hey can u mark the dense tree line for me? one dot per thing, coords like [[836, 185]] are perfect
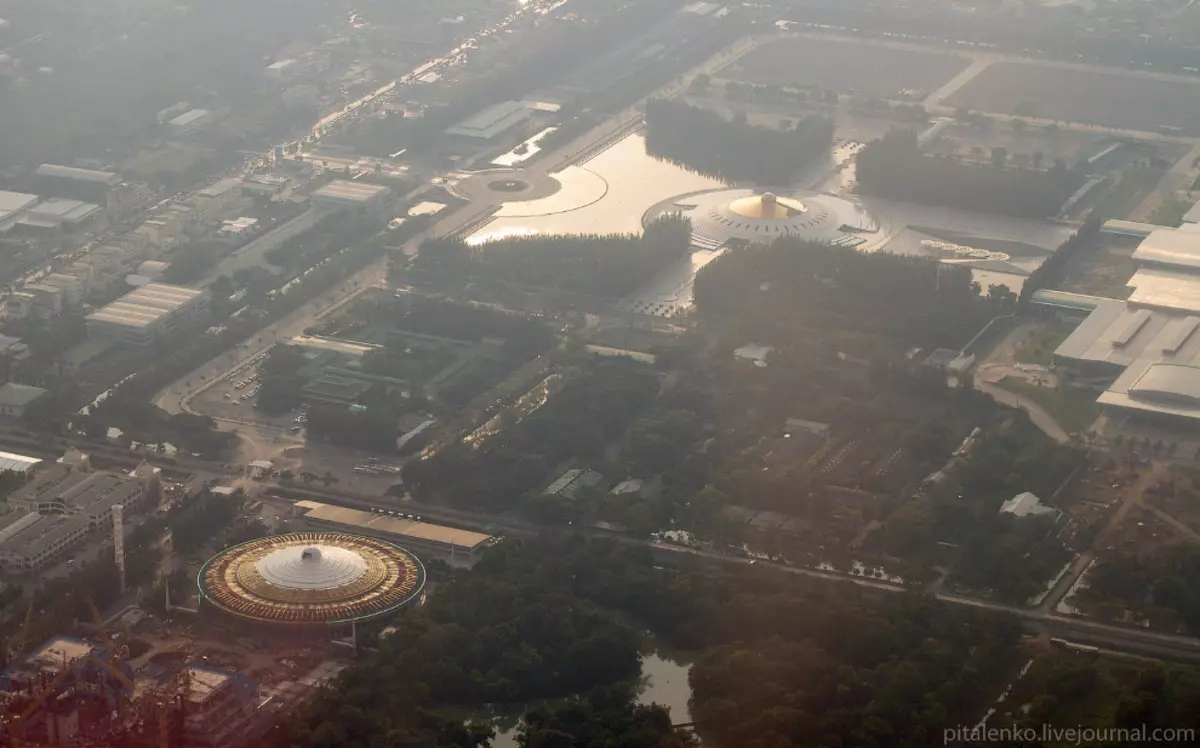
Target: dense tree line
[[502, 634], [591, 409], [792, 288], [1108, 693], [150, 424], [793, 661], [373, 428], [1010, 557], [598, 718], [608, 265], [281, 380], [1054, 268], [894, 167], [202, 520], [1163, 582], [734, 151]]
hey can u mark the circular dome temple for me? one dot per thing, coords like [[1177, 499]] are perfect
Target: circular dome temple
[[721, 216], [311, 578]]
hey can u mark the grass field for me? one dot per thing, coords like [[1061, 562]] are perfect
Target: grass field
[[1040, 349], [1171, 213], [844, 66], [1127, 194], [1074, 411]]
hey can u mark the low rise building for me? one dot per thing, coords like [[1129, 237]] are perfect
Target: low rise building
[[66, 489], [342, 193], [1026, 505], [189, 122], [492, 122], [16, 399], [13, 207], [218, 200], [58, 213], [148, 313], [457, 546], [37, 540]]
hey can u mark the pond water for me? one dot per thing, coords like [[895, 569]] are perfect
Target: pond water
[[664, 681]]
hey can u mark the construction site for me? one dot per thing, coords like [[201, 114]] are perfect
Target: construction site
[[156, 683]]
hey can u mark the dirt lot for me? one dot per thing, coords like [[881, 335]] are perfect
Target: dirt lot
[[844, 66], [1090, 97]]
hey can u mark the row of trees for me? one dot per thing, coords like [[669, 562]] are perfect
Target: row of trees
[[202, 519], [734, 151], [1054, 268], [607, 265], [894, 167]]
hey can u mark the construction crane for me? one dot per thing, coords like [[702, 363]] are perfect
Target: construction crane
[[114, 652], [14, 725]]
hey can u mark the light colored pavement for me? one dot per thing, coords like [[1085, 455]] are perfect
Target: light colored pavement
[[1038, 415]]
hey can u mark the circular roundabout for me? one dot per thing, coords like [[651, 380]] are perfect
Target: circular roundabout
[[311, 578], [505, 185], [724, 215]]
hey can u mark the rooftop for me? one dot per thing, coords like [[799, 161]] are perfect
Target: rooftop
[[146, 305], [44, 531], [1026, 505], [492, 121], [1174, 247], [219, 188], [399, 527], [17, 463], [346, 191], [189, 117], [15, 395], [70, 211], [77, 174]]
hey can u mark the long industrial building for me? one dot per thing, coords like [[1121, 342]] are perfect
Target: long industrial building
[[57, 508], [342, 193], [456, 546], [1143, 351], [146, 314]]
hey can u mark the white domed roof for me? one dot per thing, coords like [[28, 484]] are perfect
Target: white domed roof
[[311, 567]]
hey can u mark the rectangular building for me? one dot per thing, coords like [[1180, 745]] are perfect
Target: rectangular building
[[13, 207], [146, 314], [492, 122], [342, 193], [60, 213], [189, 122], [39, 539], [15, 398], [218, 200], [460, 547]]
